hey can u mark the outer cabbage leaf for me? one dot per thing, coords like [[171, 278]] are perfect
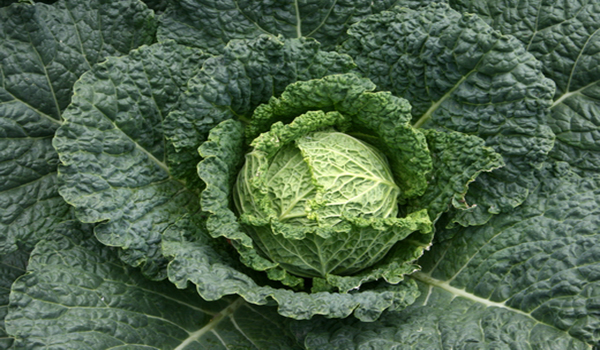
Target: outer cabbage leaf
[[449, 181], [563, 35], [112, 148], [232, 85], [210, 24], [526, 280], [216, 275], [43, 51], [103, 303], [459, 74], [12, 265]]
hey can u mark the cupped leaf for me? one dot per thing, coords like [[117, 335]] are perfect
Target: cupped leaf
[[459, 74], [103, 303], [112, 149], [222, 154], [378, 117], [232, 85], [43, 51], [211, 24], [564, 36], [12, 265], [216, 274], [526, 280], [457, 161], [317, 201]]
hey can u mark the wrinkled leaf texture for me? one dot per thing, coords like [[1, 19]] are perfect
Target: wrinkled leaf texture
[[564, 37], [113, 153], [211, 24], [459, 74], [102, 303], [446, 314], [43, 51], [528, 280]]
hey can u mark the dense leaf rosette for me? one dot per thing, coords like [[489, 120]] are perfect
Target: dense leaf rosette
[[128, 153], [304, 212], [326, 205]]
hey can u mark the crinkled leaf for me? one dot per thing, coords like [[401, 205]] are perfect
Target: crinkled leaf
[[232, 85], [210, 24], [215, 275], [12, 265], [222, 154], [43, 51], [112, 150], [377, 117], [102, 303], [563, 35], [194, 261], [460, 74], [457, 160], [529, 279]]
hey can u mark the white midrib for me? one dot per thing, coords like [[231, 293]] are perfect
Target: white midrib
[[427, 279], [298, 20], [566, 95], [461, 293], [211, 325]]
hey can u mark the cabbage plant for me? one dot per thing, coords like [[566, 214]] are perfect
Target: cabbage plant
[[298, 175]]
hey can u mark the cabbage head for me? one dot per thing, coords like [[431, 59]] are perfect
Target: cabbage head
[[325, 203]]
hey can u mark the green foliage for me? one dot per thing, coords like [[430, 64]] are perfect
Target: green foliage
[[123, 131]]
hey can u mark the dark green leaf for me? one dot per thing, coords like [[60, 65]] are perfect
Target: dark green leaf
[[43, 51], [457, 161], [565, 36], [460, 74], [112, 148], [211, 24], [78, 295], [12, 265]]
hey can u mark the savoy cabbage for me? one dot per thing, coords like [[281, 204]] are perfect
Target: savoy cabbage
[[299, 174]]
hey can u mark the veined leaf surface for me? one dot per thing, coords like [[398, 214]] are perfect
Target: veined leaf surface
[[12, 265], [44, 49], [113, 153], [529, 279], [210, 24], [79, 295], [564, 36]]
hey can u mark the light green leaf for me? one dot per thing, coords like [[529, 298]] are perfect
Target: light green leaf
[[112, 148], [564, 36], [459, 74], [210, 24], [12, 265], [526, 280], [101, 303], [43, 51], [379, 118]]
